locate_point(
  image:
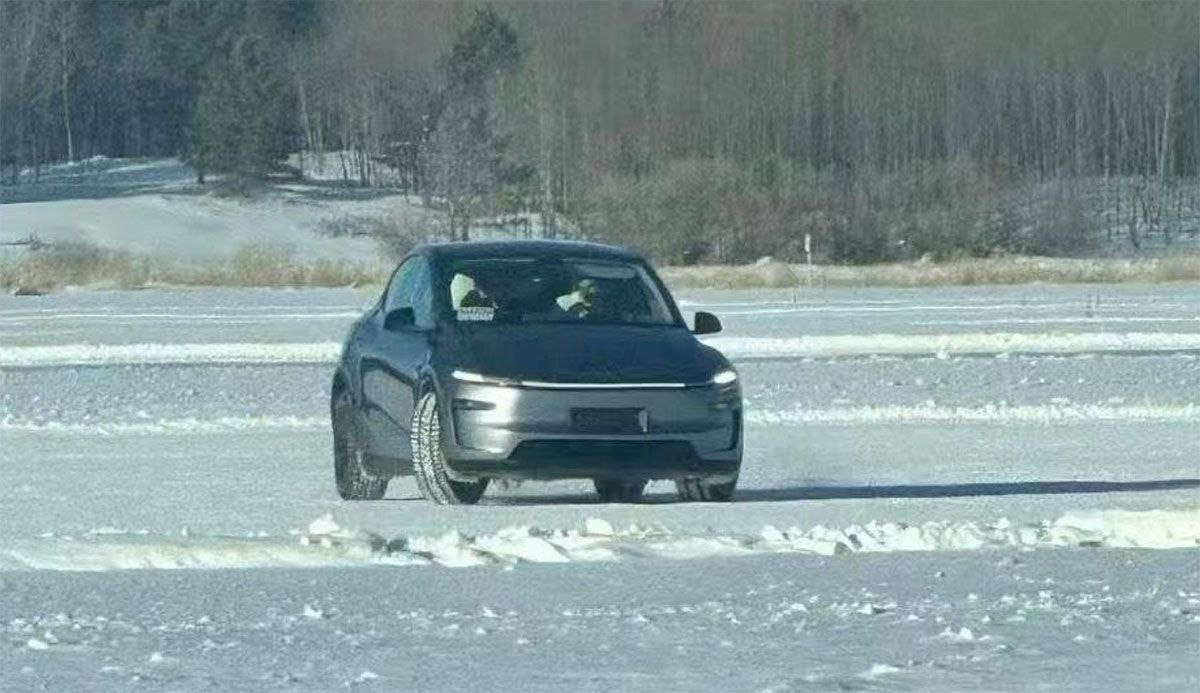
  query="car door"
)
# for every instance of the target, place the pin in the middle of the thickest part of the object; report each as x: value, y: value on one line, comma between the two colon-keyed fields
x: 393, y: 357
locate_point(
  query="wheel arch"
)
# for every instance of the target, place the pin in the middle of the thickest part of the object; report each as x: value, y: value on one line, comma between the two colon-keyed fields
x: 426, y: 382
x: 338, y: 385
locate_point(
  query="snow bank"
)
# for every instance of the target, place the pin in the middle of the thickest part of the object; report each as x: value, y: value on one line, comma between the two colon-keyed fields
x: 166, y: 554
x: 734, y: 347
x: 159, y: 354
x: 216, y: 316
x: 182, y: 426
x: 947, y: 344
x: 988, y: 413
x: 325, y: 543
x: 999, y: 413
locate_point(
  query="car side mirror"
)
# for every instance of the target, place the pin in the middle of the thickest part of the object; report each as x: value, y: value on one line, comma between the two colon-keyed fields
x: 399, y: 319
x: 706, y: 323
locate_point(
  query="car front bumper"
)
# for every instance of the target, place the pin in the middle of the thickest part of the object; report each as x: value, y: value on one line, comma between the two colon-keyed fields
x: 520, y: 432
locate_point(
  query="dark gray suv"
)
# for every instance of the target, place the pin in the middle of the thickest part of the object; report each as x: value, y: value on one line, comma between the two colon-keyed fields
x: 533, y: 360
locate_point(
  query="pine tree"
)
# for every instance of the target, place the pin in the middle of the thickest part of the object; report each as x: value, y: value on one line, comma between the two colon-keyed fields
x: 466, y: 150
x: 243, y: 121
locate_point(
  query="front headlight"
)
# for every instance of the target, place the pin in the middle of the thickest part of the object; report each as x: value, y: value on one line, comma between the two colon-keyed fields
x: 468, y: 377
x: 725, y: 377
x: 480, y: 379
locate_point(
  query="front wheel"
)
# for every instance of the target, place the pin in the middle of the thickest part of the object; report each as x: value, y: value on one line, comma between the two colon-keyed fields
x: 703, y: 490
x: 429, y: 463
x: 612, y: 491
x: 354, y: 481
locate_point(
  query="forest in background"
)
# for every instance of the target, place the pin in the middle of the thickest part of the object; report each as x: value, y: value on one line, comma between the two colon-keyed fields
x: 697, y: 131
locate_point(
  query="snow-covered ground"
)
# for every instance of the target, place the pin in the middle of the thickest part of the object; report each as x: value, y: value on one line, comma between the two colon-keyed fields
x: 155, y: 208
x: 943, y: 489
x: 1083, y: 620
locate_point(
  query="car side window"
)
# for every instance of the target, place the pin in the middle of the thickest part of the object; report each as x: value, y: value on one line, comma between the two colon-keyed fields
x: 422, y: 295
x: 411, y: 287
x: 399, y: 291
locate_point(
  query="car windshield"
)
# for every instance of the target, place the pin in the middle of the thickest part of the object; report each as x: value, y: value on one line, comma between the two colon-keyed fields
x: 540, y: 290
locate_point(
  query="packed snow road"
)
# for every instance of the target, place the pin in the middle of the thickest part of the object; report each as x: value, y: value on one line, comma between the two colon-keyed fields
x: 923, y: 468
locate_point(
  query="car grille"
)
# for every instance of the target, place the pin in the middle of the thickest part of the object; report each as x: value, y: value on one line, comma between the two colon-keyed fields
x: 629, y: 452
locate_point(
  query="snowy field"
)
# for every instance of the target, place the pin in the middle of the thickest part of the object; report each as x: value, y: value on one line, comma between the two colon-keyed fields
x: 154, y: 208
x: 994, y: 488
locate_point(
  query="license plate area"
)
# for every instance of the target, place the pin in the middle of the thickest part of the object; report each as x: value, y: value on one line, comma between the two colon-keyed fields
x: 609, y: 421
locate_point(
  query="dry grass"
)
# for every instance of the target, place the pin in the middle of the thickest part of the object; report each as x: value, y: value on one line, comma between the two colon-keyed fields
x: 82, y: 264
x: 269, y: 265
x: 1007, y: 270
x: 72, y: 264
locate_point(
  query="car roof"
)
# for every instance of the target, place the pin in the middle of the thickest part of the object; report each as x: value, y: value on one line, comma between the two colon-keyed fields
x: 527, y: 248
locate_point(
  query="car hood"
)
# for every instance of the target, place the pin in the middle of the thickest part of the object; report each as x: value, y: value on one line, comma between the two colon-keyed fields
x: 575, y: 352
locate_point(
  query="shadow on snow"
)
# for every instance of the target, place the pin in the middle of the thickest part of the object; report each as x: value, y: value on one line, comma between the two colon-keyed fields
x: 844, y: 492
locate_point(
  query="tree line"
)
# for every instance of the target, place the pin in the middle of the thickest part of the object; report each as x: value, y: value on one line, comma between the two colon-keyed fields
x: 699, y: 131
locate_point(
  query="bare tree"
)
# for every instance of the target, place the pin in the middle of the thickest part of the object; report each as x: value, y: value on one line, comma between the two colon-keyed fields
x: 66, y: 25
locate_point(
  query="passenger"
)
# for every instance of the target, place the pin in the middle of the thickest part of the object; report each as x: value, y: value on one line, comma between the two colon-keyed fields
x: 460, y: 286
x: 476, y: 298
x: 465, y: 293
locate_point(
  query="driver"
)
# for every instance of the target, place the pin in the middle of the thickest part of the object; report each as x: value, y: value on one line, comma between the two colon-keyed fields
x: 581, y: 302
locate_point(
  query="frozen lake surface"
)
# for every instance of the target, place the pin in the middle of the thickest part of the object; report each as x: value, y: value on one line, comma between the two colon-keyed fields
x: 943, y: 489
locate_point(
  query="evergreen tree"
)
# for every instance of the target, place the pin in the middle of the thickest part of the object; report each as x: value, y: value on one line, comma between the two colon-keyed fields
x: 243, y: 121
x: 467, y: 151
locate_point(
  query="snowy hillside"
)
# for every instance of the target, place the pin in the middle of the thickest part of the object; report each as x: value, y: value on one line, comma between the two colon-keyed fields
x: 155, y: 207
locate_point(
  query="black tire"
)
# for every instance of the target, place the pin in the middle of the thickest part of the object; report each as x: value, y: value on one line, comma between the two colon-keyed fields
x: 612, y: 491
x: 702, y: 490
x: 350, y: 473
x: 429, y: 463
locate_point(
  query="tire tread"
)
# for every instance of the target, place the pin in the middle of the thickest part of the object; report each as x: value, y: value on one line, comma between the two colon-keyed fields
x: 429, y: 464
x: 353, y: 482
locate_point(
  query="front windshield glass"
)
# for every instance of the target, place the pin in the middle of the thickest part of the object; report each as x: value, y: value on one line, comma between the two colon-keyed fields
x: 539, y: 290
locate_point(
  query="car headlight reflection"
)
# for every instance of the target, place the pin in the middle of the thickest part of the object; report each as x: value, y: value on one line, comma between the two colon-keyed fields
x: 725, y: 377
x: 479, y: 379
